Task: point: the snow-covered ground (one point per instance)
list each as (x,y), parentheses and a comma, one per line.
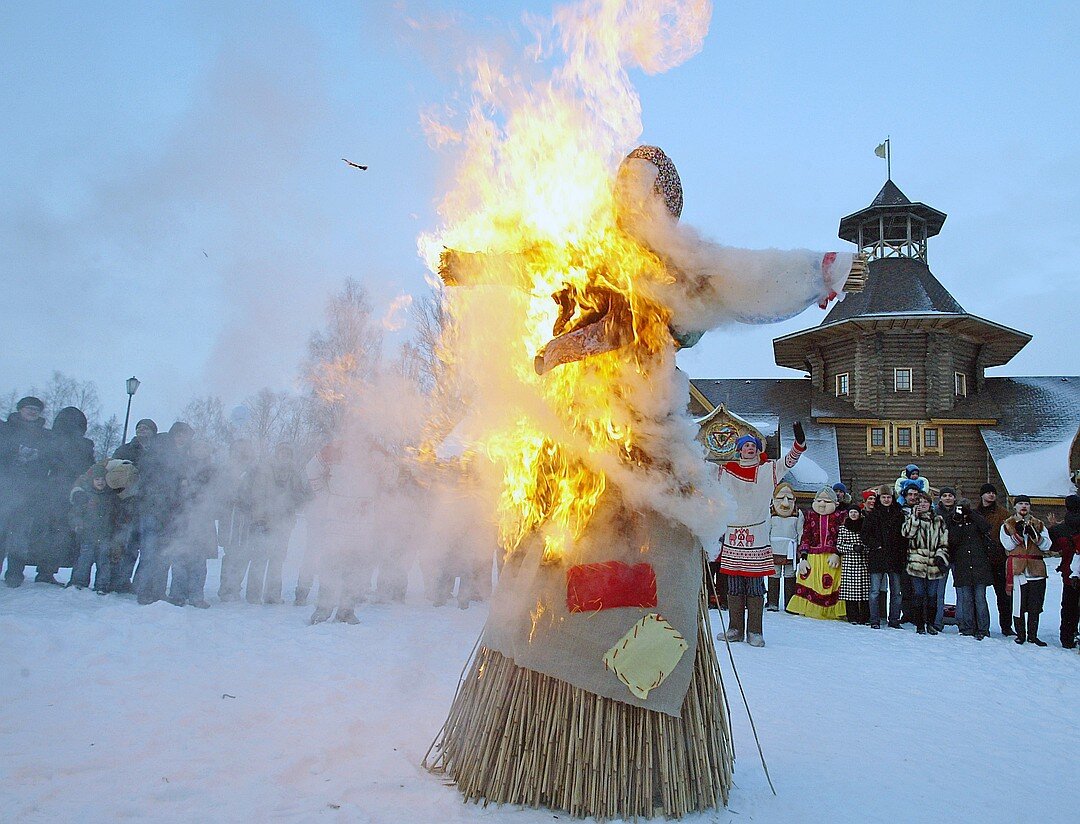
(110,711)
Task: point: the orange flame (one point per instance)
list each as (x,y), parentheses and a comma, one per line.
(537,180)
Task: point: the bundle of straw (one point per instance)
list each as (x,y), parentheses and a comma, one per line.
(515,736)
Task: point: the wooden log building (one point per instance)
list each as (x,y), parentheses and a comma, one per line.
(895,375)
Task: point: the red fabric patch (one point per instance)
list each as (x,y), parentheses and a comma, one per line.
(593,587)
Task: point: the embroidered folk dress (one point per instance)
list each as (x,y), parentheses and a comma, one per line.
(817,594)
(746,548)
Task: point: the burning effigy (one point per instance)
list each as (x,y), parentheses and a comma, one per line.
(570,284)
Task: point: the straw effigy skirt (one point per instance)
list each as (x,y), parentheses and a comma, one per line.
(515,735)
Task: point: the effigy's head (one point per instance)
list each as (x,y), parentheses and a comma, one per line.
(825,501)
(783,500)
(647,188)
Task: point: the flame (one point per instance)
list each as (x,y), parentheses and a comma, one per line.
(396,314)
(536,180)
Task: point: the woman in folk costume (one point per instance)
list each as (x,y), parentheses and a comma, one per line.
(785,527)
(817,592)
(854,572)
(746,555)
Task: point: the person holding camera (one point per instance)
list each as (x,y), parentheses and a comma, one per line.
(969,550)
(1027,542)
(928,559)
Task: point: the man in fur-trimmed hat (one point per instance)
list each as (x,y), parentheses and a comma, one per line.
(1027,541)
(746,555)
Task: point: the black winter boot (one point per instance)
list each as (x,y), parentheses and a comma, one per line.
(774,594)
(1006,622)
(1020,632)
(1033,629)
(919,610)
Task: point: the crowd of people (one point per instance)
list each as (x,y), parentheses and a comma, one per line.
(147,519)
(884,557)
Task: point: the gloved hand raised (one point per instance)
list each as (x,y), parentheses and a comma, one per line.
(800,434)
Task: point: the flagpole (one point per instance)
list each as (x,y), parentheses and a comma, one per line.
(888,156)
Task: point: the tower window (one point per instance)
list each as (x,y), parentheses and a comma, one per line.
(930,438)
(902,380)
(877,436)
(903,437)
(842,384)
(960,382)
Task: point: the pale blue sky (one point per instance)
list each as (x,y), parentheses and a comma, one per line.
(173,204)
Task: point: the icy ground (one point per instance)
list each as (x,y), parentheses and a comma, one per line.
(114,712)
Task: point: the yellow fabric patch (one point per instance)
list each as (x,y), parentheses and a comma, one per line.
(646,655)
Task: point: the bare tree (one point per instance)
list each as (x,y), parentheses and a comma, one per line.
(342,356)
(106,436)
(207,417)
(63,390)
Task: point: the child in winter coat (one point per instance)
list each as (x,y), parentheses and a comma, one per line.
(928,559)
(854,572)
(94,511)
(911,473)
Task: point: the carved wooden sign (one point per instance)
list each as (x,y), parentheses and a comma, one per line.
(720,429)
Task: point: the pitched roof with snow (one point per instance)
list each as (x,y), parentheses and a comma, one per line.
(1030,445)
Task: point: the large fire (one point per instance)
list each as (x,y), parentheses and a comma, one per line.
(535,195)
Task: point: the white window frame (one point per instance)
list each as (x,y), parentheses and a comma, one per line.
(847,384)
(960,384)
(896,379)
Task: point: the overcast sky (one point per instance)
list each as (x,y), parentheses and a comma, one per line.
(173,204)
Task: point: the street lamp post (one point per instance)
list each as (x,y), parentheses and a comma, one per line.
(132,387)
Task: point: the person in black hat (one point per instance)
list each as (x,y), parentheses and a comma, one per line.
(1027,541)
(995,515)
(1065,538)
(23,478)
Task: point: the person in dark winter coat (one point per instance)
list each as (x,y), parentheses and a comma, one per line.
(24,473)
(68,454)
(94,511)
(928,559)
(995,515)
(145,431)
(162,481)
(854,572)
(969,551)
(886,556)
(1065,538)
(194,540)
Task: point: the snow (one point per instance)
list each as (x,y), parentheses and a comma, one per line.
(1041,472)
(111,711)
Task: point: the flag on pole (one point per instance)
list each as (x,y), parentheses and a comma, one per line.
(880,150)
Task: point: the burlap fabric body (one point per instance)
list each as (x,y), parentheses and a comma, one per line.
(531,624)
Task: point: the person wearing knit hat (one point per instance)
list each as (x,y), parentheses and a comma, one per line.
(843,497)
(995,515)
(817,588)
(1065,538)
(911,473)
(1027,541)
(854,572)
(95,509)
(746,555)
(31,403)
